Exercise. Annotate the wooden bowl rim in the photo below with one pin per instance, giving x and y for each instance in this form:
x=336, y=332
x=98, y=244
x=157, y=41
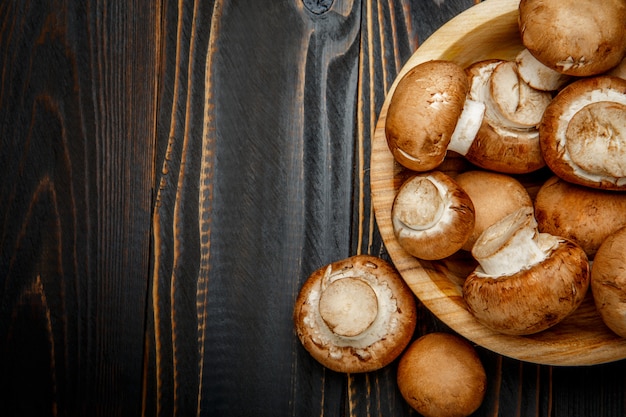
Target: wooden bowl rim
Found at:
x=581, y=339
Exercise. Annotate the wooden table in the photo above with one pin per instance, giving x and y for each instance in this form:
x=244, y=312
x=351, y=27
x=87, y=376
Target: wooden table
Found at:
x=172, y=173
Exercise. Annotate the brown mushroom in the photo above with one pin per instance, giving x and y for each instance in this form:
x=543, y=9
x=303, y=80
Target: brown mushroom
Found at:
x=428, y=115
x=526, y=281
x=432, y=216
x=502, y=143
x=582, y=214
x=441, y=375
x=494, y=195
x=583, y=133
x=355, y=315
x=580, y=38
x=608, y=281
x=619, y=70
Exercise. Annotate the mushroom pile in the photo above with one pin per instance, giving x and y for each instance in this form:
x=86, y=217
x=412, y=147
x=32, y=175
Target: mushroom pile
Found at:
x=556, y=113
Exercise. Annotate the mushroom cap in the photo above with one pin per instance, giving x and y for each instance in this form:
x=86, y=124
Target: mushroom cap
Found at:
x=440, y=374
x=423, y=113
x=583, y=133
x=579, y=38
x=494, y=196
x=608, y=281
x=584, y=215
x=500, y=145
x=432, y=216
x=355, y=315
x=548, y=288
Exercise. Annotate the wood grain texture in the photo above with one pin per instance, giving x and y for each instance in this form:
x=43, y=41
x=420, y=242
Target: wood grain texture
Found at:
x=77, y=117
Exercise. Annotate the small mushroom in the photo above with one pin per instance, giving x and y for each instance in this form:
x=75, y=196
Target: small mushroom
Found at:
x=580, y=38
x=440, y=374
x=583, y=133
x=505, y=142
x=428, y=115
x=608, y=281
x=355, y=315
x=537, y=75
x=432, y=216
x=494, y=195
x=526, y=281
x=582, y=214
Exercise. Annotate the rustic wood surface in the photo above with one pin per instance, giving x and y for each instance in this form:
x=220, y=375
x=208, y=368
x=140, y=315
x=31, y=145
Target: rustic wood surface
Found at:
x=172, y=172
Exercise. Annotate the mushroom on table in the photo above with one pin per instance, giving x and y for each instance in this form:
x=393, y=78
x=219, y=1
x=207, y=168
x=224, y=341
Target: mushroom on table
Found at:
x=355, y=315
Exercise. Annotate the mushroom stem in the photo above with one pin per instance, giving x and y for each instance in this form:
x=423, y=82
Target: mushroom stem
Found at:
x=348, y=306
x=420, y=206
x=538, y=75
x=467, y=126
x=512, y=244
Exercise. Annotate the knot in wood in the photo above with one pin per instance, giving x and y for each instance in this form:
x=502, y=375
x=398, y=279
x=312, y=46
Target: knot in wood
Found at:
x=318, y=6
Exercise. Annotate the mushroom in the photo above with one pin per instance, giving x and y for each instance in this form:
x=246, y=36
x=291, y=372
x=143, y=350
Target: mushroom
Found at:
x=505, y=142
x=440, y=374
x=526, y=281
x=608, y=282
x=583, y=133
x=355, y=315
x=580, y=38
x=619, y=70
x=428, y=115
x=582, y=214
x=537, y=75
x=432, y=216
x=494, y=195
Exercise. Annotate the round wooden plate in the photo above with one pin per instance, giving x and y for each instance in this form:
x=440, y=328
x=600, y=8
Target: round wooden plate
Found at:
x=487, y=30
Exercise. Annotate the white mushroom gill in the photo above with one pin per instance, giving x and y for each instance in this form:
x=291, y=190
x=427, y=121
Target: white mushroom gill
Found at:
x=420, y=205
x=607, y=150
x=521, y=105
x=511, y=105
x=384, y=322
x=511, y=245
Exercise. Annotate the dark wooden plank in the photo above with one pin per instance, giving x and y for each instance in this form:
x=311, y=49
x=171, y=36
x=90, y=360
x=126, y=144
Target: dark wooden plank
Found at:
x=172, y=378
x=77, y=120
x=264, y=155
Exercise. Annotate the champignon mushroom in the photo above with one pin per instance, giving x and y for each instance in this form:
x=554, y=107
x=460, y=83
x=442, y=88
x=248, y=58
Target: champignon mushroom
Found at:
x=503, y=144
x=432, y=216
x=428, y=115
x=608, y=281
x=580, y=38
x=355, y=315
x=494, y=195
x=440, y=374
x=582, y=214
x=526, y=281
x=583, y=133
x=619, y=70
x=537, y=75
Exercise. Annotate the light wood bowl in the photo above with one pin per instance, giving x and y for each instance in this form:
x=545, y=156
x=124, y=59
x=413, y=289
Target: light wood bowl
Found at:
x=487, y=30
